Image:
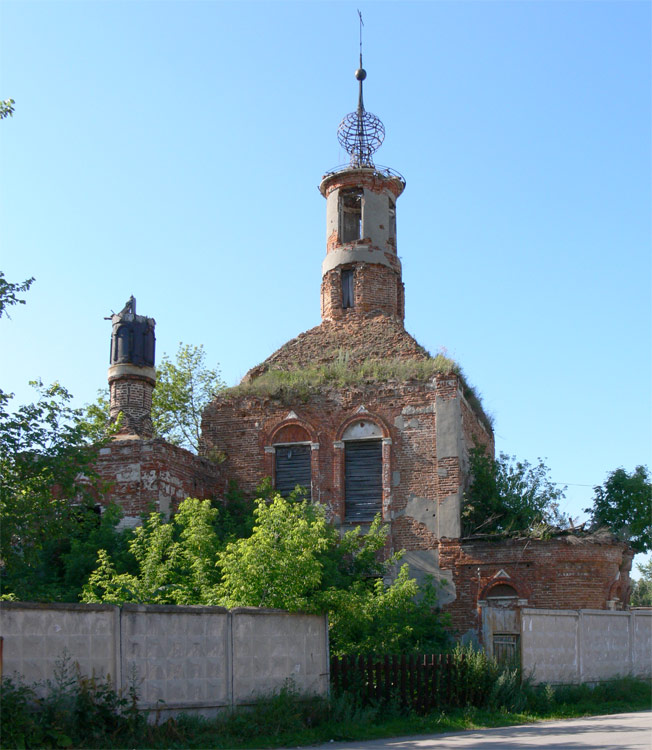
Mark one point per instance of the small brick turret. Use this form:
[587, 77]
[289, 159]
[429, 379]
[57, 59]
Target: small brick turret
[132, 376]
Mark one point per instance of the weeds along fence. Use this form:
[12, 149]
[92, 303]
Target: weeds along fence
[420, 682]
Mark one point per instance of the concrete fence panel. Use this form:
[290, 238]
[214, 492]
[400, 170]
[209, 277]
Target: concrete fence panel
[549, 644]
[605, 648]
[641, 640]
[36, 636]
[565, 646]
[200, 659]
[180, 656]
[277, 642]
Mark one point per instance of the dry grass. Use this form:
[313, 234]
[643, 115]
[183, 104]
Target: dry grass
[291, 385]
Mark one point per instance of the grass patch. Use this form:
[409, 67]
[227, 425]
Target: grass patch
[81, 713]
[302, 383]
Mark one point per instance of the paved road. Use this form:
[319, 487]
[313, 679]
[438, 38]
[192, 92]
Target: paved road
[614, 732]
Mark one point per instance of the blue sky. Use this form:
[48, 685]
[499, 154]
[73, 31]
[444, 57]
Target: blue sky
[172, 150]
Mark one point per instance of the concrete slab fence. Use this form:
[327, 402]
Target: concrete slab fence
[587, 645]
[200, 659]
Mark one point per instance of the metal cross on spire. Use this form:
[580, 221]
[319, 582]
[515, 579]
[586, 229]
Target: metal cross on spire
[361, 133]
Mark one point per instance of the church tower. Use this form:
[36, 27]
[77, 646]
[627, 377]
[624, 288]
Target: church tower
[361, 273]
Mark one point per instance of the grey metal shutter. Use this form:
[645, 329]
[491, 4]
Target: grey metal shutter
[363, 486]
[292, 468]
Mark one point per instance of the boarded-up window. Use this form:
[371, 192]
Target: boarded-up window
[363, 486]
[502, 595]
[350, 214]
[292, 468]
[347, 288]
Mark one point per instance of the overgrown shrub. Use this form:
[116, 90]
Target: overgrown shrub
[69, 711]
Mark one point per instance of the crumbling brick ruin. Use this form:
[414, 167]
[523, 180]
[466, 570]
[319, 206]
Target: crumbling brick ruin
[358, 413]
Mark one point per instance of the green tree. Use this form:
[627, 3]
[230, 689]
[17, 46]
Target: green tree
[48, 491]
[9, 292]
[623, 504]
[506, 495]
[279, 564]
[183, 390]
[6, 108]
[293, 559]
[373, 617]
[175, 561]
[642, 589]
[184, 387]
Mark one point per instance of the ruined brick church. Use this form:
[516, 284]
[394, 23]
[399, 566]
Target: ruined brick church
[358, 413]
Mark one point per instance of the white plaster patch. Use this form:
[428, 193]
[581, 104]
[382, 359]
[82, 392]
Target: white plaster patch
[149, 480]
[362, 429]
[424, 563]
[410, 410]
[501, 574]
[130, 473]
[449, 517]
[422, 509]
[449, 428]
[291, 415]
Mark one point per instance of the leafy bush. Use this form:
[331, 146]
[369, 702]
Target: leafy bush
[69, 711]
[293, 559]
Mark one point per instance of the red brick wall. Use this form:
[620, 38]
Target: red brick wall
[146, 475]
[561, 573]
[132, 396]
[242, 427]
[376, 289]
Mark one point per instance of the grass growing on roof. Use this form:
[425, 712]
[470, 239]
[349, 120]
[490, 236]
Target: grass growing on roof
[302, 383]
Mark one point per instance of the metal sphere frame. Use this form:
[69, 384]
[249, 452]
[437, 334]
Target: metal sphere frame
[361, 134]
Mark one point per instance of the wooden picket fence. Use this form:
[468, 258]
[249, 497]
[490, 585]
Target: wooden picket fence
[422, 683]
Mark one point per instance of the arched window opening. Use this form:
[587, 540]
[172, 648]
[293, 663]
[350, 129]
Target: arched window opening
[292, 464]
[347, 288]
[292, 468]
[502, 595]
[363, 471]
[350, 205]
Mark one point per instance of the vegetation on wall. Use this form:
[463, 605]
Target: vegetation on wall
[507, 495]
[300, 384]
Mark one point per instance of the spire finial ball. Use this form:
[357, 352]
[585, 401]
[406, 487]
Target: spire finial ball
[360, 74]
